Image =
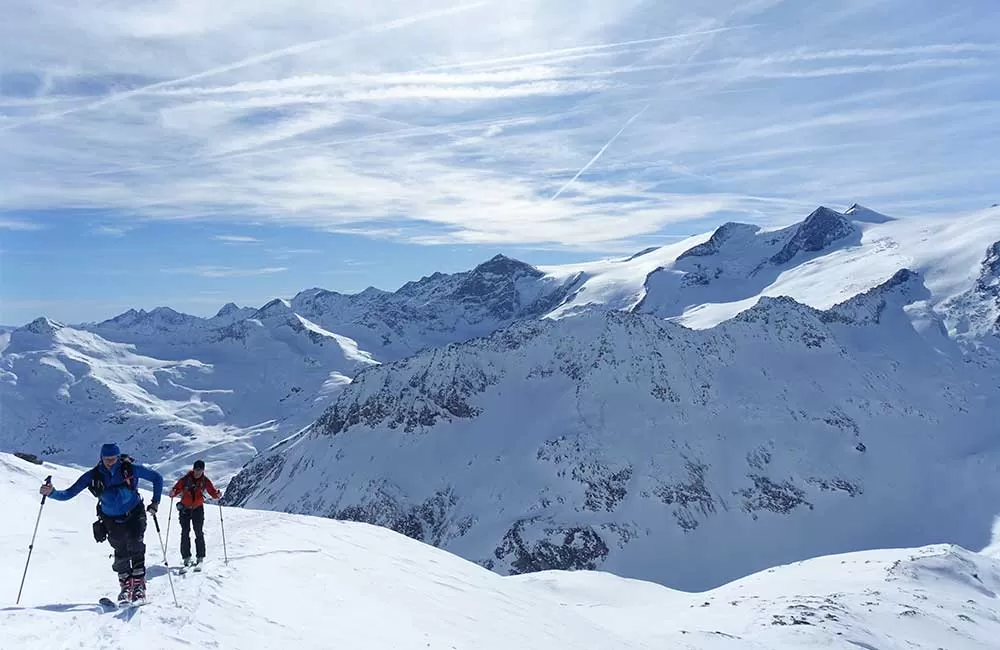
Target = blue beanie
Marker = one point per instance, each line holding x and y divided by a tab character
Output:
110	449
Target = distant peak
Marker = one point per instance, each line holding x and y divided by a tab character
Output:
820	229
227	309
503	265
166	312
722	234
858	212
275	307
41	325
904	287
769	305
158	315
311	294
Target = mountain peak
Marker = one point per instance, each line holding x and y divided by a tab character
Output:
722	234
275	307
227	309
820	229
156	318
767	307
858	212
903	288
502	265
41	325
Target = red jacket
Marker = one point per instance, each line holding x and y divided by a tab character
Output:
194	490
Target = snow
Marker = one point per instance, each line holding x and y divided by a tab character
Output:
172	396
305	582
174	386
501	414
946	251
797	431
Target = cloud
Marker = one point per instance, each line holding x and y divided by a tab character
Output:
237	239
113	231
226	271
459	123
290	253
7	223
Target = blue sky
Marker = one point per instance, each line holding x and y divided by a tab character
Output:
188	153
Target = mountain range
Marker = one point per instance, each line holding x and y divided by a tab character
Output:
824	387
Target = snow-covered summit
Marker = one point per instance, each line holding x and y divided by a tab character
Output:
230	313
820	229
858	212
158	320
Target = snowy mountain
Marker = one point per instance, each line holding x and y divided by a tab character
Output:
438	309
625	442
825	259
222	395
315	583
254	376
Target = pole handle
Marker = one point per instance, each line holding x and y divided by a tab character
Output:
48	481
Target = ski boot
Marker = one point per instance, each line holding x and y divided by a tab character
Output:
125	582
138	590
197	564
138	585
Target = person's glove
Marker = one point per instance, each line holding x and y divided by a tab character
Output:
152	507
46	489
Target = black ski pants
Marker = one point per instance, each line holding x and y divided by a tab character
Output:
195	516
127	537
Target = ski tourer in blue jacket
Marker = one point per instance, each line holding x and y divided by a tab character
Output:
118	497
121	517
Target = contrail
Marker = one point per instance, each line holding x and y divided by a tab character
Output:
582	48
253	60
599	153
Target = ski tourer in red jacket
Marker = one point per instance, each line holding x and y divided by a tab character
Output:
191	488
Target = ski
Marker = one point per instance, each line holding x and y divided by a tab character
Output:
111	605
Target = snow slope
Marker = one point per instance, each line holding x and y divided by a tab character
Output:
632	444
303	582
221	396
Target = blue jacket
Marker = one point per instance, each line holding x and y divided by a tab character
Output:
117	498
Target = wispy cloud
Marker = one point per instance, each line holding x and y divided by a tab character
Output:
7	223
459	123
112	231
291	253
226	271
237	239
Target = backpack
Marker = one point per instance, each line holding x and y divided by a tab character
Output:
193	485
96	486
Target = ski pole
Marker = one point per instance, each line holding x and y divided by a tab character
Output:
225	553
167	539
48	481
164	547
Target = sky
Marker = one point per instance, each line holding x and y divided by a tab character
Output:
189	153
